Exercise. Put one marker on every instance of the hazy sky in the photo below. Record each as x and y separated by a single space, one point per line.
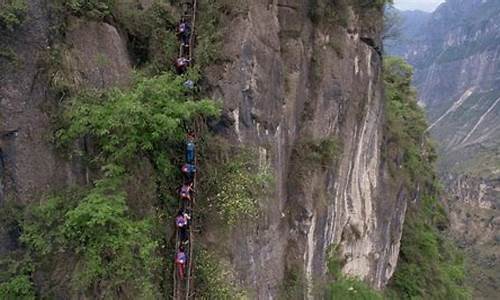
426 5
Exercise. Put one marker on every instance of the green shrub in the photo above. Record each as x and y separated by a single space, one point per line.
111 251
151 33
94 9
235 184
313 154
406 125
212 280
18 287
107 250
12 13
352 289
344 287
335 263
147 119
430 266
208 33
15 268
238 193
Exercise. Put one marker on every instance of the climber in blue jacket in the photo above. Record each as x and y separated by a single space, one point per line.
190 147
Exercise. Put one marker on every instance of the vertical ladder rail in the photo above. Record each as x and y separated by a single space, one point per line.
193 24
178 293
191 233
175 264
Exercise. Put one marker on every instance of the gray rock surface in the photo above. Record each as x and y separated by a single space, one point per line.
288 79
30 165
97 54
96 57
475 224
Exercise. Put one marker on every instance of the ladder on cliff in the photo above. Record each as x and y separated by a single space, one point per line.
183 289
189 8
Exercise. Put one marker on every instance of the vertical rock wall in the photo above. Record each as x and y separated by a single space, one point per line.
30 165
287 80
91 55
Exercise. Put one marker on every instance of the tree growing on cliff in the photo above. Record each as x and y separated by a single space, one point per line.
12 13
104 248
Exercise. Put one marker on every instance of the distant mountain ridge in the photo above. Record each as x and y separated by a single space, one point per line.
410 32
456 55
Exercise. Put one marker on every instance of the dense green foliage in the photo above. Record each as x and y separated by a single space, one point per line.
147 120
95 9
105 247
12 13
406 126
343 287
213 281
318 153
15 267
233 183
107 250
352 289
17 287
430 266
115 255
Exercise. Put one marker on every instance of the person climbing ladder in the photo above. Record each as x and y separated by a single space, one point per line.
182 223
180 261
184 217
185 191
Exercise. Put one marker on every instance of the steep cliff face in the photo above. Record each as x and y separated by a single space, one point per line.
475 223
290 80
30 77
294 74
95 56
26 152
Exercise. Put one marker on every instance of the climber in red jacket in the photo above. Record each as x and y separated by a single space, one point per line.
181 65
180 260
